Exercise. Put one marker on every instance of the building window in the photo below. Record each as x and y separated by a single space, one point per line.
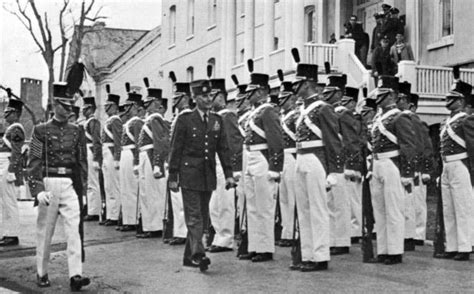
212 12
446 17
212 61
190 17
275 43
172 24
190 74
308 23
242 56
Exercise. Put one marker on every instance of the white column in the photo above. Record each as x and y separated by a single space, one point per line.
320 18
407 72
222 63
249 30
344 48
412 28
298 26
288 20
269 33
337 19
231 35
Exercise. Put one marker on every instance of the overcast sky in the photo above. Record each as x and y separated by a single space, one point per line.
19 55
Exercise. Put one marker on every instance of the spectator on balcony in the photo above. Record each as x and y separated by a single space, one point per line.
394 14
355 31
390 27
382 63
332 39
377 32
401 50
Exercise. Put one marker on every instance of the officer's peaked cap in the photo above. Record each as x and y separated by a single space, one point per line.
200 87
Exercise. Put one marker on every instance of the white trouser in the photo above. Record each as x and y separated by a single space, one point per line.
287 195
388 205
355 192
421 211
410 216
457 195
8 203
93 188
260 195
222 211
63 202
152 196
111 184
128 188
313 211
339 204
179 226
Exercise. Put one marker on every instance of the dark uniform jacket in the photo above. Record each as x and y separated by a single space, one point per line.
400 125
156 133
350 128
130 135
57 150
424 148
92 132
194 145
324 117
112 133
234 137
288 124
12 141
266 118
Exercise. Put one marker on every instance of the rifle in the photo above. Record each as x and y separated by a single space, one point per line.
9 92
168 217
296 246
243 240
439 239
278 227
103 206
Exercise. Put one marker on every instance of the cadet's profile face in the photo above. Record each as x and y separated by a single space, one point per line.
86 111
111 109
72 118
219 101
11 116
62 111
203 102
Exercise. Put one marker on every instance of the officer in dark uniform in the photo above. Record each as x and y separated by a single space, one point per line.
58 165
198 136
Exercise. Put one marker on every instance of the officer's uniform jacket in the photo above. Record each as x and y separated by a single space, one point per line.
317 131
155 139
393 132
112 135
12 141
457 140
234 137
57 150
264 132
193 151
93 140
130 136
288 124
350 128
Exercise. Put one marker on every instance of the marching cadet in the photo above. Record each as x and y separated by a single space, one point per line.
264 143
393 158
153 145
11 146
198 136
57 166
94 158
457 151
111 148
318 149
181 104
351 130
222 203
129 161
290 113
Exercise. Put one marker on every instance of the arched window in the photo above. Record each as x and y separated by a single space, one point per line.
308 23
212 61
172 24
190 74
190 17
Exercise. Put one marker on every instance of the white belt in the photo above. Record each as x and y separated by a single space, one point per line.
290 150
106 145
388 154
146 147
309 144
257 147
128 147
4 155
89 145
459 156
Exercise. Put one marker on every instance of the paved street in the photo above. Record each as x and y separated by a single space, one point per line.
119 263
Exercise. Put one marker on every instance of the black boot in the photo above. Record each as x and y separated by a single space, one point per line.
77 282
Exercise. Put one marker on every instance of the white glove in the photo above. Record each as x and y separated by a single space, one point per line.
166 165
135 170
331 180
438 180
44 197
25 148
406 181
237 176
95 165
157 171
116 164
369 175
352 175
273 176
11 177
425 178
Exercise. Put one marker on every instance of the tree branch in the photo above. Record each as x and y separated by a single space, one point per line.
40 22
86 12
58 47
94 19
26 21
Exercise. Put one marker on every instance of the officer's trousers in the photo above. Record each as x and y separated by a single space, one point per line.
410 214
152 195
456 191
93 188
222 211
313 211
111 184
388 204
64 202
421 211
287 195
10 225
260 195
339 203
128 188
355 192
179 226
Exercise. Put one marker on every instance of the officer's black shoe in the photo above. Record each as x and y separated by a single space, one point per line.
419 242
381 258
177 241
77 282
9 241
462 256
204 264
355 240
89 218
247 256
191 263
128 228
339 250
262 257
43 281
167 240
217 249
148 235
393 259
409 245
103 222
295 267
311 266
446 255
110 223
